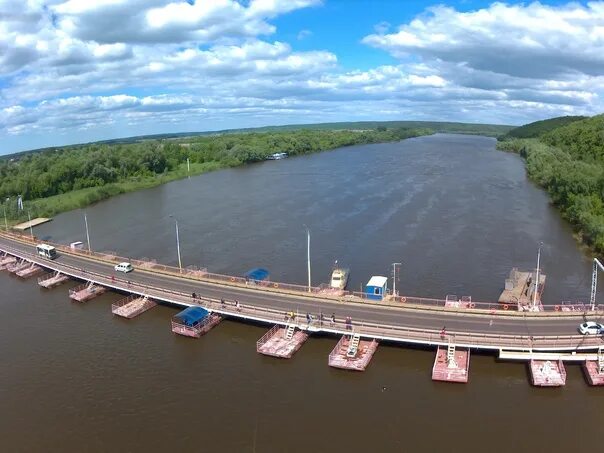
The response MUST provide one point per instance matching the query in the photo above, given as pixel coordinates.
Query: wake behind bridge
(544, 338)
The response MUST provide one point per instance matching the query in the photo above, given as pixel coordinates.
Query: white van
(47, 251)
(124, 267)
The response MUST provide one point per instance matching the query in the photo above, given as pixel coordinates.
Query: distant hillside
(538, 128)
(491, 130)
(583, 139)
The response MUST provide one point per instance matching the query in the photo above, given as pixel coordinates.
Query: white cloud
(303, 34)
(507, 39)
(71, 69)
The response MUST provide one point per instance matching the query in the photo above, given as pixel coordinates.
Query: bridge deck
(484, 328)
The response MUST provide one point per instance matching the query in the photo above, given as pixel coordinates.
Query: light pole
(4, 206)
(87, 233)
(594, 283)
(308, 257)
(394, 277)
(537, 276)
(30, 229)
(177, 243)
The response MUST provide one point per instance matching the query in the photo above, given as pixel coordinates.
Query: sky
(81, 70)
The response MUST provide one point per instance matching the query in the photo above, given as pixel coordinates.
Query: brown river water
(457, 213)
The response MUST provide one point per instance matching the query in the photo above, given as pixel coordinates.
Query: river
(457, 213)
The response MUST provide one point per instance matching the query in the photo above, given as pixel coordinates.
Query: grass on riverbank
(91, 174)
(78, 199)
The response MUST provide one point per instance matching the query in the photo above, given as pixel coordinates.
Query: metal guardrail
(267, 336)
(365, 329)
(316, 292)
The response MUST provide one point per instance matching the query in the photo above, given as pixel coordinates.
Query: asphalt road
(455, 321)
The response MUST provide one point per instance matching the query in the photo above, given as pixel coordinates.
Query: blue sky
(75, 71)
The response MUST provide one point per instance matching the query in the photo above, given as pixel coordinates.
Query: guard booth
(377, 287)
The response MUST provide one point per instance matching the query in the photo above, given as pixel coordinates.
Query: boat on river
(339, 277)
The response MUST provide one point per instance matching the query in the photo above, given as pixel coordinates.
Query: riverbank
(574, 186)
(68, 179)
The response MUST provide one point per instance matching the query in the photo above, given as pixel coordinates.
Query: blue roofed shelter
(258, 274)
(377, 287)
(192, 316)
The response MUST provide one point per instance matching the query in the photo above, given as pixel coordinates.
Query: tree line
(54, 180)
(568, 162)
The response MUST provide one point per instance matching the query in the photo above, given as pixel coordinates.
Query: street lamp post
(308, 257)
(87, 233)
(177, 243)
(537, 276)
(394, 277)
(5, 219)
(31, 231)
(594, 283)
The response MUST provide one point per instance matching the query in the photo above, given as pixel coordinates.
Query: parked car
(591, 328)
(124, 267)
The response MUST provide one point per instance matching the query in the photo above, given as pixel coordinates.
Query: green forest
(61, 179)
(538, 128)
(566, 157)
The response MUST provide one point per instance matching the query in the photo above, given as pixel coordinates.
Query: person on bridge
(333, 319)
(443, 333)
(222, 302)
(237, 305)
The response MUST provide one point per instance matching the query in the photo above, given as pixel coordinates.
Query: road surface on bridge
(476, 328)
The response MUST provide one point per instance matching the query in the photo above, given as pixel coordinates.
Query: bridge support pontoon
(52, 279)
(132, 306)
(29, 271)
(85, 292)
(352, 353)
(451, 364)
(547, 373)
(594, 369)
(281, 341)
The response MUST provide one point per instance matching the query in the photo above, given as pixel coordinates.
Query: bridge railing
(363, 328)
(201, 274)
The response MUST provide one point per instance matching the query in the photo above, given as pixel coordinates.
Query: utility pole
(87, 233)
(594, 283)
(31, 231)
(5, 220)
(537, 276)
(177, 243)
(394, 278)
(308, 257)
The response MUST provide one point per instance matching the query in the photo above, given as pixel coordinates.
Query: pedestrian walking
(443, 333)
(237, 306)
(333, 319)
